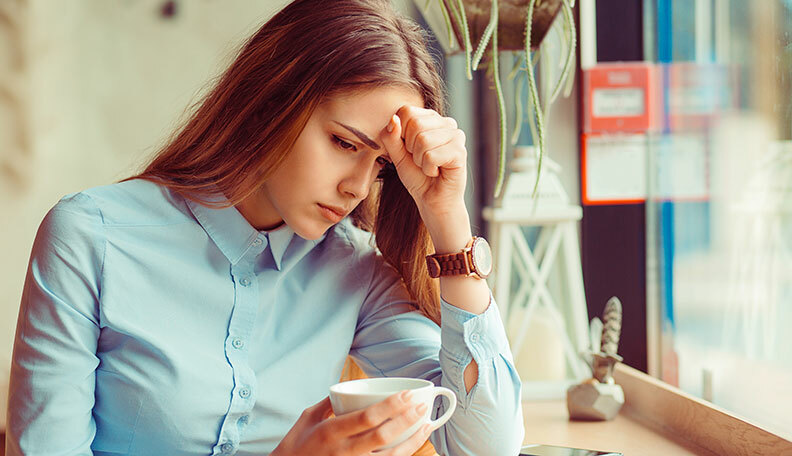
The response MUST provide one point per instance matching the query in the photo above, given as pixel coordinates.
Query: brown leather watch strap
(448, 264)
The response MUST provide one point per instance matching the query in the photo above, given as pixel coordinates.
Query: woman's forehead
(366, 98)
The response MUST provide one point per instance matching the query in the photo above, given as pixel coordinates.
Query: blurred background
(88, 91)
(673, 142)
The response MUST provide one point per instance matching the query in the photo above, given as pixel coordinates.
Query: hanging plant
(502, 25)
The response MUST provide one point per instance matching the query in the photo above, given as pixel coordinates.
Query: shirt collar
(279, 239)
(234, 235)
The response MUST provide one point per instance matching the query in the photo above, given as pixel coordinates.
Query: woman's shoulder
(134, 202)
(361, 245)
(357, 240)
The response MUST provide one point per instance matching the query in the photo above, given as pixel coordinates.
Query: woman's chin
(311, 233)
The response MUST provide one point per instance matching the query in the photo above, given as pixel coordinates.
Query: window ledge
(670, 410)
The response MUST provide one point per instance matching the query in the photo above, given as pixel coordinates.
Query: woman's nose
(358, 180)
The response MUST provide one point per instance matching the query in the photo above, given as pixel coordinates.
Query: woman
(205, 305)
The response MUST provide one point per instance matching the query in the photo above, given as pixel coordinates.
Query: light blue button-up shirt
(152, 325)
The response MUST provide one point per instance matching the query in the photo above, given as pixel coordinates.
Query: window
(719, 212)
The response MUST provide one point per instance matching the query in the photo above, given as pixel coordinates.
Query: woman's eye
(383, 161)
(343, 144)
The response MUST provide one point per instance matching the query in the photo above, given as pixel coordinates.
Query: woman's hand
(429, 153)
(355, 433)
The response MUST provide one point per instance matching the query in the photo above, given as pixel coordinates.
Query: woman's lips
(330, 214)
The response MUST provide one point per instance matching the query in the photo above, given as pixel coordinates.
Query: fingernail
(390, 125)
(406, 396)
(420, 409)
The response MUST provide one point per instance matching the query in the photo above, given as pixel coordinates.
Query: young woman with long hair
(206, 304)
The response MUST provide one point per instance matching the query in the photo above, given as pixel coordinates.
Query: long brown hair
(308, 52)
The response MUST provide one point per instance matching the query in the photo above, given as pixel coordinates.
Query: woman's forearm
(451, 233)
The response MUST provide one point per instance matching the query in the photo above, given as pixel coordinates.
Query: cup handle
(452, 400)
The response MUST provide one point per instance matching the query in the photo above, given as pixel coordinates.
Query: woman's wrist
(449, 229)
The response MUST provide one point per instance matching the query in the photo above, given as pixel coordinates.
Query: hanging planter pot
(511, 21)
(502, 25)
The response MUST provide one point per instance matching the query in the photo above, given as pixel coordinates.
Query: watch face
(482, 257)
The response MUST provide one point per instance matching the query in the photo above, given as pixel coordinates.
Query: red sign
(622, 97)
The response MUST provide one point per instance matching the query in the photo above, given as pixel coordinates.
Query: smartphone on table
(549, 450)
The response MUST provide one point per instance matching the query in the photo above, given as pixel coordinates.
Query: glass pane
(719, 217)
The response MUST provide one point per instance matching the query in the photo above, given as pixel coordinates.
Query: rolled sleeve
(488, 419)
(467, 335)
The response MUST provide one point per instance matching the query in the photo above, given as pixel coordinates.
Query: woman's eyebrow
(368, 141)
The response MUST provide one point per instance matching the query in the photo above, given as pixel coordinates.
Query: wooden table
(657, 419)
(547, 422)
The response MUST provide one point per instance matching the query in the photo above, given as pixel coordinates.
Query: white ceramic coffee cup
(354, 395)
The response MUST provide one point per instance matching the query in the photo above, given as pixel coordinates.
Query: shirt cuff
(465, 334)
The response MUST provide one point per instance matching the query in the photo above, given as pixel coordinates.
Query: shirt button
(238, 343)
(243, 419)
(227, 447)
(257, 242)
(244, 393)
(245, 282)
(474, 337)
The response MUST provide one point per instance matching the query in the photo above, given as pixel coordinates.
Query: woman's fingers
(355, 433)
(429, 140)
(371, 417)
(447, 156)
(424, 122)
(387, 431)
(394, 142)
(409, 446)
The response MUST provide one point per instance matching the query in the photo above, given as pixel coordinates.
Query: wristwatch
(474, 260)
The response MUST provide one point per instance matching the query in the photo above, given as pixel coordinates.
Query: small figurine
(600, 398)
